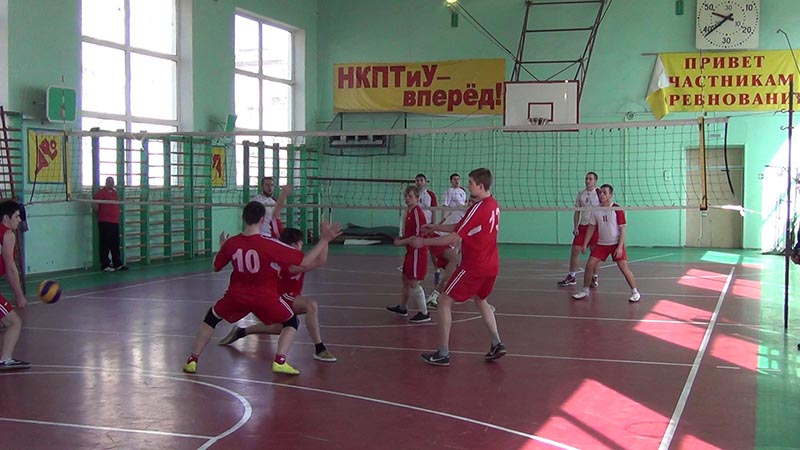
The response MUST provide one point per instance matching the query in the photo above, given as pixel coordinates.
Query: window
(129, 63)
(264, 86)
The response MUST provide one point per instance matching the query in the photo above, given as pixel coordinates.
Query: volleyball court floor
(701, 361)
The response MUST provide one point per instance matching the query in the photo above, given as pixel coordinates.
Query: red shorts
(5, 307)
(582, 229)
(601, 252)
(462, 287)
(438, 255)
(233, 307)
(415, 265)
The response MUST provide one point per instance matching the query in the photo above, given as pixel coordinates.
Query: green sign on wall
(61, 104)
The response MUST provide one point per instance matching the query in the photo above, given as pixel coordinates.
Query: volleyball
(49, 291)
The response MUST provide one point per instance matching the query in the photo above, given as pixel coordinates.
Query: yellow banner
(46, 156)
(439, 87)
(218, 167)
(724, 81)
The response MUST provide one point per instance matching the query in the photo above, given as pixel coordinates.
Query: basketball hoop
(538, 121)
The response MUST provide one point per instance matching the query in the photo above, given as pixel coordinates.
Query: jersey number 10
(248, 261)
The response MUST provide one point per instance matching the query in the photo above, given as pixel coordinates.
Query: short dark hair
(482, 176)
(610, 187)
(291, 236)
(454, 175)
(8, 208)
(421, 175)
(253, 212)
(593, 173)
(411, 189)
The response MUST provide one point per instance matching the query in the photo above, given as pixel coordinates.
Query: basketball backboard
(540, 102)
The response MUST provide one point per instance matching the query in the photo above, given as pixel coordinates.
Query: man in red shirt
(10, 217)
(253, 286)
(108, 227)
(475, 276)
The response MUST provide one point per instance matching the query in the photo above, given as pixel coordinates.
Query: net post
(121, 184)
(168, 197)
(290, 168)
(144, 212)
(276, 162)
(188, 185)
(65, 166)
(246, 172)
(95, 184)
(208, 192)
(787, 250)
(702, 162)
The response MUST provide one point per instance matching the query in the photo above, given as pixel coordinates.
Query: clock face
(723, 24)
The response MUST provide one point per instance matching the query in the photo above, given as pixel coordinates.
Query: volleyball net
(170, 180)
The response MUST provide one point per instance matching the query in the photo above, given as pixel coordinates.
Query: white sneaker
(634, 297)
(580, 295)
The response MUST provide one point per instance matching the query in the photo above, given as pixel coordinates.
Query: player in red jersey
(290, 287)
(446, 257)
(610, 228)
(415, 264)
(253, 286)
(475, 276)
(9, 214)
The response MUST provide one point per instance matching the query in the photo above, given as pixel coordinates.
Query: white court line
(102, 428)
(321, 391)
(128, 286)
(210, 440)
(687, 388)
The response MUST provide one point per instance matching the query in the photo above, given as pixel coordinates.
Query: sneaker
(325, 356)
(568, 281)
(496, 352)
(190, 367)
(594, 282)
(437, 277)
(433, 300)
(436, 359)
(419, 318)
(121, 268)
(580, 295)
(397, 310)
(13, 364)
(108, 269)
(284, 368)
(634, 297)
(234, 335)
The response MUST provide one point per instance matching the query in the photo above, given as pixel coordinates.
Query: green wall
(44, 46)
(618, 77)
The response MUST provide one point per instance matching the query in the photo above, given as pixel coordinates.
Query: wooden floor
(701, 362)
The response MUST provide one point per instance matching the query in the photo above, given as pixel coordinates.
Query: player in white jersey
(609, 226)
(580, 225)
(427, 198)
(270, 226)
(455, 197)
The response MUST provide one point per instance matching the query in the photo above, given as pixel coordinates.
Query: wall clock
(727, 24)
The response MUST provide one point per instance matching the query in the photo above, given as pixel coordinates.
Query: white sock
(572, 274)
(418, 296)
(634, 291)
(586, 290)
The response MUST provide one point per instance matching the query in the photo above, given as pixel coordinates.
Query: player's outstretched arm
(328, 232)
(280, 203)
(429, 227)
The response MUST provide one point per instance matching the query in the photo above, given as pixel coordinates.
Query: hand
(416, 242)
(287, 189)
(429, 227)
(223, 236)
(583, 250)
(21, 301)
(719, 24)
(330, 231)
(618, 251)
(574, 231)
